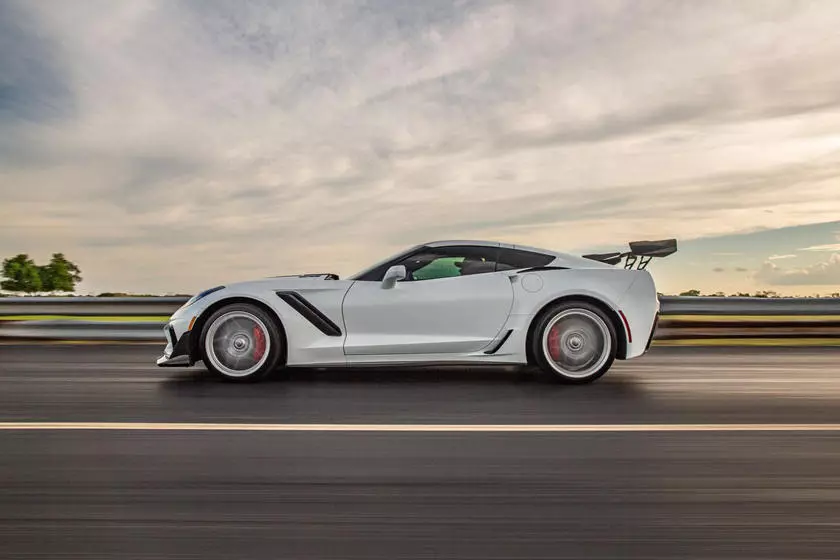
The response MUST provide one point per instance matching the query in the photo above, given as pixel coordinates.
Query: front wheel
(575, 342)
(241, 342)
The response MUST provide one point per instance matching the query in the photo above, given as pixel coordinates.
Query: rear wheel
(241, 342)
(574, 342)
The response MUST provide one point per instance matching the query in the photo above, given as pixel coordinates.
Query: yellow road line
(749, 342)
(14, 342)
(210, 427)
(757, 318)
(90, 318)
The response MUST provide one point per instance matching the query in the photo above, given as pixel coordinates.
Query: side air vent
(499, 344)
(310, 313)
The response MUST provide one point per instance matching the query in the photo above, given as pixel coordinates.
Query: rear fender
(536, 291)
(640, 306)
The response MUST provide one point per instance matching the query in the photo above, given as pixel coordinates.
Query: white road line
(210, 427)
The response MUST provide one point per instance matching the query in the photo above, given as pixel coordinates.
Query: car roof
(560, 258)
(478, 243)
(462, 242)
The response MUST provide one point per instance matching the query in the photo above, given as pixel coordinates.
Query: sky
(166, 146)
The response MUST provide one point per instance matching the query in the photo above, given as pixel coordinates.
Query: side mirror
(392, 276)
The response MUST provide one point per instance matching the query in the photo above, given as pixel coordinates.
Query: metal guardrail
(674, 305)
(86, 318)
(91, 306)
(698, 319)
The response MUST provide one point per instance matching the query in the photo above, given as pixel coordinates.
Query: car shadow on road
(469, 379)
(483, 395)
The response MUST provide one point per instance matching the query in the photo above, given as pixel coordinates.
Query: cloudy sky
(167, 146)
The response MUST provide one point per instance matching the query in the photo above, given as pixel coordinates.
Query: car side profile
(444, 302)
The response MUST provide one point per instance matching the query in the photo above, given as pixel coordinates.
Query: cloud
(263, 138)
(828, 247)
(32, 85)
(822, 273)
(779, 257)
(720, 269)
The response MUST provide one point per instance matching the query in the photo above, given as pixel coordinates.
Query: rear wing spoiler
(639, 255)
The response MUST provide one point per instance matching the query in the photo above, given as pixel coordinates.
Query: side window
(447, 262)
(511, 259)
(442, 267)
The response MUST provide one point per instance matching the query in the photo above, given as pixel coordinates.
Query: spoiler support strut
(639, 255)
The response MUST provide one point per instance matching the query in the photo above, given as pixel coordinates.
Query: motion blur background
(163, 147)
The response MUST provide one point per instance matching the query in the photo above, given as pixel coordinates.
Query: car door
(453, 301)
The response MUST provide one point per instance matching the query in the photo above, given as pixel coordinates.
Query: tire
(574, 342)
(241, 343)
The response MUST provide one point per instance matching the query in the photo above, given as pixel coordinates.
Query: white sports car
(447, 302)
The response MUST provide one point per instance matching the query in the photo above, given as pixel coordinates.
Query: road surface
(135, 484)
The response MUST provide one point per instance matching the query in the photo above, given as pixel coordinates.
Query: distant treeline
(688, 293)
(122, 294)
(759, 294)
(104, 295)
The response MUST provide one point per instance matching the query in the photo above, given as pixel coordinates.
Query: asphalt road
(151, 494)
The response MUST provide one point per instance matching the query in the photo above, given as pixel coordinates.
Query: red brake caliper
(554, 343)
(259, 343)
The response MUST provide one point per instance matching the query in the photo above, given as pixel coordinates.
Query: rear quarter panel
(632, 292)
(640, 304)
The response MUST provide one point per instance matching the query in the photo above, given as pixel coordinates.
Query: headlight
(200, 295)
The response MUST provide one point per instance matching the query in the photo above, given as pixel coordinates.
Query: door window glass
(447, 262)
(442, 267)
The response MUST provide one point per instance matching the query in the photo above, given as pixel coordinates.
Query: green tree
(691, 293)
(766, 294)
(60, 275)
(21, 275)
